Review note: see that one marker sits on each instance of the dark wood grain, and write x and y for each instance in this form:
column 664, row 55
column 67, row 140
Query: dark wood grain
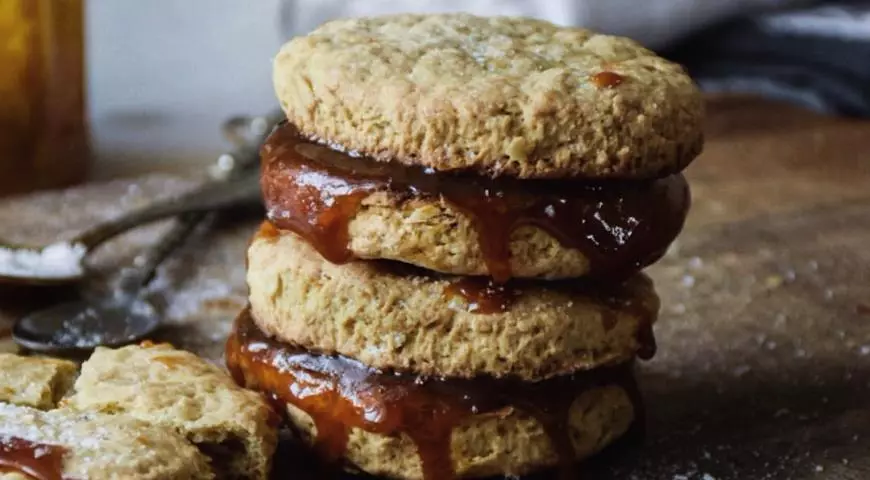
column 764, row 364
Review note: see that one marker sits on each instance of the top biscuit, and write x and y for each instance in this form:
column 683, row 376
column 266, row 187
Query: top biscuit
column 502, row 96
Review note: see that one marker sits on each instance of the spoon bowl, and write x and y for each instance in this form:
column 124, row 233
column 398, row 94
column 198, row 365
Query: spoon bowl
column 79, row 326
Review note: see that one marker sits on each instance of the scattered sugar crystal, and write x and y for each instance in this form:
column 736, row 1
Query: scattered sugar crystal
column 58, row 260
column 773, row 281
column 819, row 468
column 864, row 350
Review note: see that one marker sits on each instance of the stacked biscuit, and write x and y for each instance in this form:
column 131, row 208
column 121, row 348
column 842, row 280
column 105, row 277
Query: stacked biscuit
column 448, row 284
column 139, row 412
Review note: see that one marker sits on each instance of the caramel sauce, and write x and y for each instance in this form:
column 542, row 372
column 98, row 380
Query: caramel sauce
column 607, row 79
column 482, row 295
column 268, row 231
column 36, row 460
column 621, row 227
column 340, row 394
column 170, row 361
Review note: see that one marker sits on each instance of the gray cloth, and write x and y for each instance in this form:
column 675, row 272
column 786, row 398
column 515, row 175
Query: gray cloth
column 794, row 50
column 817, row 57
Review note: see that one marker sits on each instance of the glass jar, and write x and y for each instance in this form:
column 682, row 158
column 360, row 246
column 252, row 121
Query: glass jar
column 43, row 126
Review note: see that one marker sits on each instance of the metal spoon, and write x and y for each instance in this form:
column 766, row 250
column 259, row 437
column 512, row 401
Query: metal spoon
column 114, row 320
column 125, row 316
column 63, row 262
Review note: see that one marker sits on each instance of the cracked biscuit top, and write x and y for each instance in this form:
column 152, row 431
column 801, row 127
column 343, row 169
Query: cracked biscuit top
column 502, row 96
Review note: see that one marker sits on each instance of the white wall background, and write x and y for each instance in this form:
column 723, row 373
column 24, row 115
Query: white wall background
column 165, row 73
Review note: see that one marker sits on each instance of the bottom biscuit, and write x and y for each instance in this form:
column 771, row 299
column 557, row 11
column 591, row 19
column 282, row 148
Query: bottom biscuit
column 401, row 425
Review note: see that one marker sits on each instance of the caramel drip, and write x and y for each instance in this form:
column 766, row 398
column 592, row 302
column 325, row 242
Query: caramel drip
column 482, row 295
column 340, row 394
column 36, row 460
column 268, row 231
column 621, row 227
column 607, row 79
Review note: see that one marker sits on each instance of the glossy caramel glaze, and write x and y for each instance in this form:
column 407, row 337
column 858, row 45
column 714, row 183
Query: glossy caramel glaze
column 340, row 394
column 35, row 460
column 482, row 295
column 621, row 227
column 607, row 79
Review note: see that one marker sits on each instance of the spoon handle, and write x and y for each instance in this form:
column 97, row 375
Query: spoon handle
column 135, row 279
column 232, row 176
column 213, row 195
column 235, row 182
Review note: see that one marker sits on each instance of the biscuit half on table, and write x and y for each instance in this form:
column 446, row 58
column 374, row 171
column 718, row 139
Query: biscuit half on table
column 147, row 412
column 176, row 389
column 96, row 446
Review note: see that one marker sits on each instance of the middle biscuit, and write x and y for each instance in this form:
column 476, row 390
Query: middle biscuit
column 388, row 315
column 349, row 206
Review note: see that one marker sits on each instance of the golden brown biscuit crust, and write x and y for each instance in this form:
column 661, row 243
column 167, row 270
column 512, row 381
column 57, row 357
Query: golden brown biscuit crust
column 407, row 322
column 501, row 95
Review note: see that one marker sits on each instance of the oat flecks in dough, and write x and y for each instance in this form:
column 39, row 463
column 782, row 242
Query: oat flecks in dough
column 107, row 447
column 37, row 382
column 431, row 233
column 506, row 96
column 177, row 389
column 406, row 321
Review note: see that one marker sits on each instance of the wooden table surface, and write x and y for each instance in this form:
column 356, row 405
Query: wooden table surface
column 764, row 336
column 763, row 370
